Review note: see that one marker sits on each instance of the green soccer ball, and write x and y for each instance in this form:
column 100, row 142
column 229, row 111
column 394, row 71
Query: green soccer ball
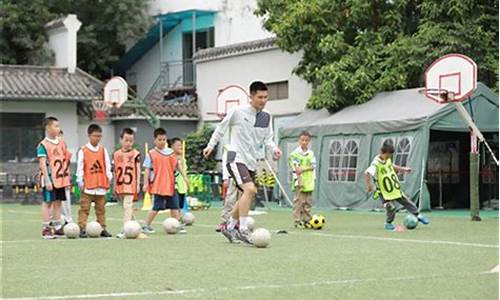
column 411, row 222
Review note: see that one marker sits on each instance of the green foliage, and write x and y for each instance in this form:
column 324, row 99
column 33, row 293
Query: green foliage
column 195, row 143
column 354, row 49
column 106, row 28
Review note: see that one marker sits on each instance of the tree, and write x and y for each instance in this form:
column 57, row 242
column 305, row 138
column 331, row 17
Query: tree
column 195, row 143
column 107, row 27
column 355, row 49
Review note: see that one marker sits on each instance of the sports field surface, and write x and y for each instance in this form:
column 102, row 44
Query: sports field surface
column 353, row 257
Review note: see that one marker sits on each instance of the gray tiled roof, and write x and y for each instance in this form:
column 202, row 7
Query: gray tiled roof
column 163, row 110
column 27, row 82
column 235, row 49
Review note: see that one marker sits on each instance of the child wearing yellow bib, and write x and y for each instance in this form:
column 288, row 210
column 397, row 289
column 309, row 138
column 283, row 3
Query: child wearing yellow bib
column 388, row 187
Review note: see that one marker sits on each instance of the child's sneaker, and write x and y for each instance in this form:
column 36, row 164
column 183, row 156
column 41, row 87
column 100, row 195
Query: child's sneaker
column 307, row 225
column 83, row 234
column 105, row 234
column 181, row 229
column 230, row 234
column 59, row 232
column 121, row 235
column 47, row 233
column 298, row 224
column 220, row 227
column 147, row 229
column 390, row 226
column 245, row 236
column 423, row 219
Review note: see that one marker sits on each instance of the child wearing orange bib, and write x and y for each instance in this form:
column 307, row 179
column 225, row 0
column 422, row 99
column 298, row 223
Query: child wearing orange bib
column 159, row 178
column 54, row 178
column 93, row 176
column 127, row 169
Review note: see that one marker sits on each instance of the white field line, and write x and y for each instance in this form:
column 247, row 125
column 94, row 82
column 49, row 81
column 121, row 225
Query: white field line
column 250, row 287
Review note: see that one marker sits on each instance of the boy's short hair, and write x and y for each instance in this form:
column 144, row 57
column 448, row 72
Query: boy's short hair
column 175, row 140
column 48, row 121
column 159, row 131
column 127, row 130
column 257, row 86
column 387, row 148
column 93, row 128
column 305, row 133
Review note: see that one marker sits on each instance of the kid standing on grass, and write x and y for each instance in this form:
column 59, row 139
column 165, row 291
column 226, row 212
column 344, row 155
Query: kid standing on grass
column 159, row 178
column 66, row 205
column 181, row 183
column 54, row 177
column 93, row 176
column 127, row 169
column 388, row 188
column 302, row 162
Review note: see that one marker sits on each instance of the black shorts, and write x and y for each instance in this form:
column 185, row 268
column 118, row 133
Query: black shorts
column 164, row 202
column 180, row 198
column 55, row 194
column 240, row 173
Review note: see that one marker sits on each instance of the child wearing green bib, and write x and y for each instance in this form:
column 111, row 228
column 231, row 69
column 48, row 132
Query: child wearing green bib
column 303, row 164
column 388, row 188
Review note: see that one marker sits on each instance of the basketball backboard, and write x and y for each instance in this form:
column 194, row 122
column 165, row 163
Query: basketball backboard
column 228, row 98
column 450, row 78
column 115, row 92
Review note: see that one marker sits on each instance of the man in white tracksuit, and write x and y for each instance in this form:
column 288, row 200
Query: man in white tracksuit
column 250, row 128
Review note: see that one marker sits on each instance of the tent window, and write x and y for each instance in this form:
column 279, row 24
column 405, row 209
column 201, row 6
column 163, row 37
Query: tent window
column 402, row 148
column 402, row 154
column 343, row 161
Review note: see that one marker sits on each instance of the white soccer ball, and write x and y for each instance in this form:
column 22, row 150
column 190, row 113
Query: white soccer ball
column 171, row 225
column 188, row 218
column 71, row 230
column 251, row 224
column 93, row 229
column 132, row 229
column 261, row 237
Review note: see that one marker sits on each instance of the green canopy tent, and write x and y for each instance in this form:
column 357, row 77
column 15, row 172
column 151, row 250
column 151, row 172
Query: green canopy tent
column 346, row 142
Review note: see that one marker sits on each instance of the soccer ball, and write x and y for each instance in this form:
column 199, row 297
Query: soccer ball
column 171, row 225
column 251, row 224
column 410, row 222
column 261, row 237
column 317, row 222
column 188, row 218
column 71, row 230
column 132, row 229
column 93, row 229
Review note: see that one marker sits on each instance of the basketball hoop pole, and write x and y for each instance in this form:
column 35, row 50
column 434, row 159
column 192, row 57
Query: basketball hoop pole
column 469, row 122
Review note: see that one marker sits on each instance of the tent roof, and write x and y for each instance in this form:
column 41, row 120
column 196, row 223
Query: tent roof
column 386, row 112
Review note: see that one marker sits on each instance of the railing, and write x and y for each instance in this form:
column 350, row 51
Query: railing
column 172, row 74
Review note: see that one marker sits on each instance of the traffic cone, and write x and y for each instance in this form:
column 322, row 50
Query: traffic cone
column 146, row 202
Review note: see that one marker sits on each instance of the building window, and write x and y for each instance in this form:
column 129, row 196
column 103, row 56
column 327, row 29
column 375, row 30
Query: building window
column 20, row 133
column 402, row 148
column 278, row 90
column 343, row 161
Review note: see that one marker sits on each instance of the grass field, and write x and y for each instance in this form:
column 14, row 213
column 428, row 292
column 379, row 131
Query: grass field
column 352, row 258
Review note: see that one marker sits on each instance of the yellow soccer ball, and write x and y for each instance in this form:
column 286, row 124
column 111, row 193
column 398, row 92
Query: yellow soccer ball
column 317, row 222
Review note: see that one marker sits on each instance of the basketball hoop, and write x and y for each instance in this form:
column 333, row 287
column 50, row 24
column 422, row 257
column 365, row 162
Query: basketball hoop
column 439, row 95
column 100, row 110
column 227, row 99
column 116, row 92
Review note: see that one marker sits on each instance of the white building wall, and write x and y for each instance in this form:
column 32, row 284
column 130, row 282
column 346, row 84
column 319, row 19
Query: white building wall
column 74, row 128
column 234, row 21
column 64, row 111
column 271, row 65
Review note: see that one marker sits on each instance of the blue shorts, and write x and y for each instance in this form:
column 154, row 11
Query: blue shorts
column 164, row 202
column 55, row 194
column 180, row 198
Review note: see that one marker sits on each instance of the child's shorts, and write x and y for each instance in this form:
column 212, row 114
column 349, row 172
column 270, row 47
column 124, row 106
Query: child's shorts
column 55, row 194
column 180, row 198
column 161, row 202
